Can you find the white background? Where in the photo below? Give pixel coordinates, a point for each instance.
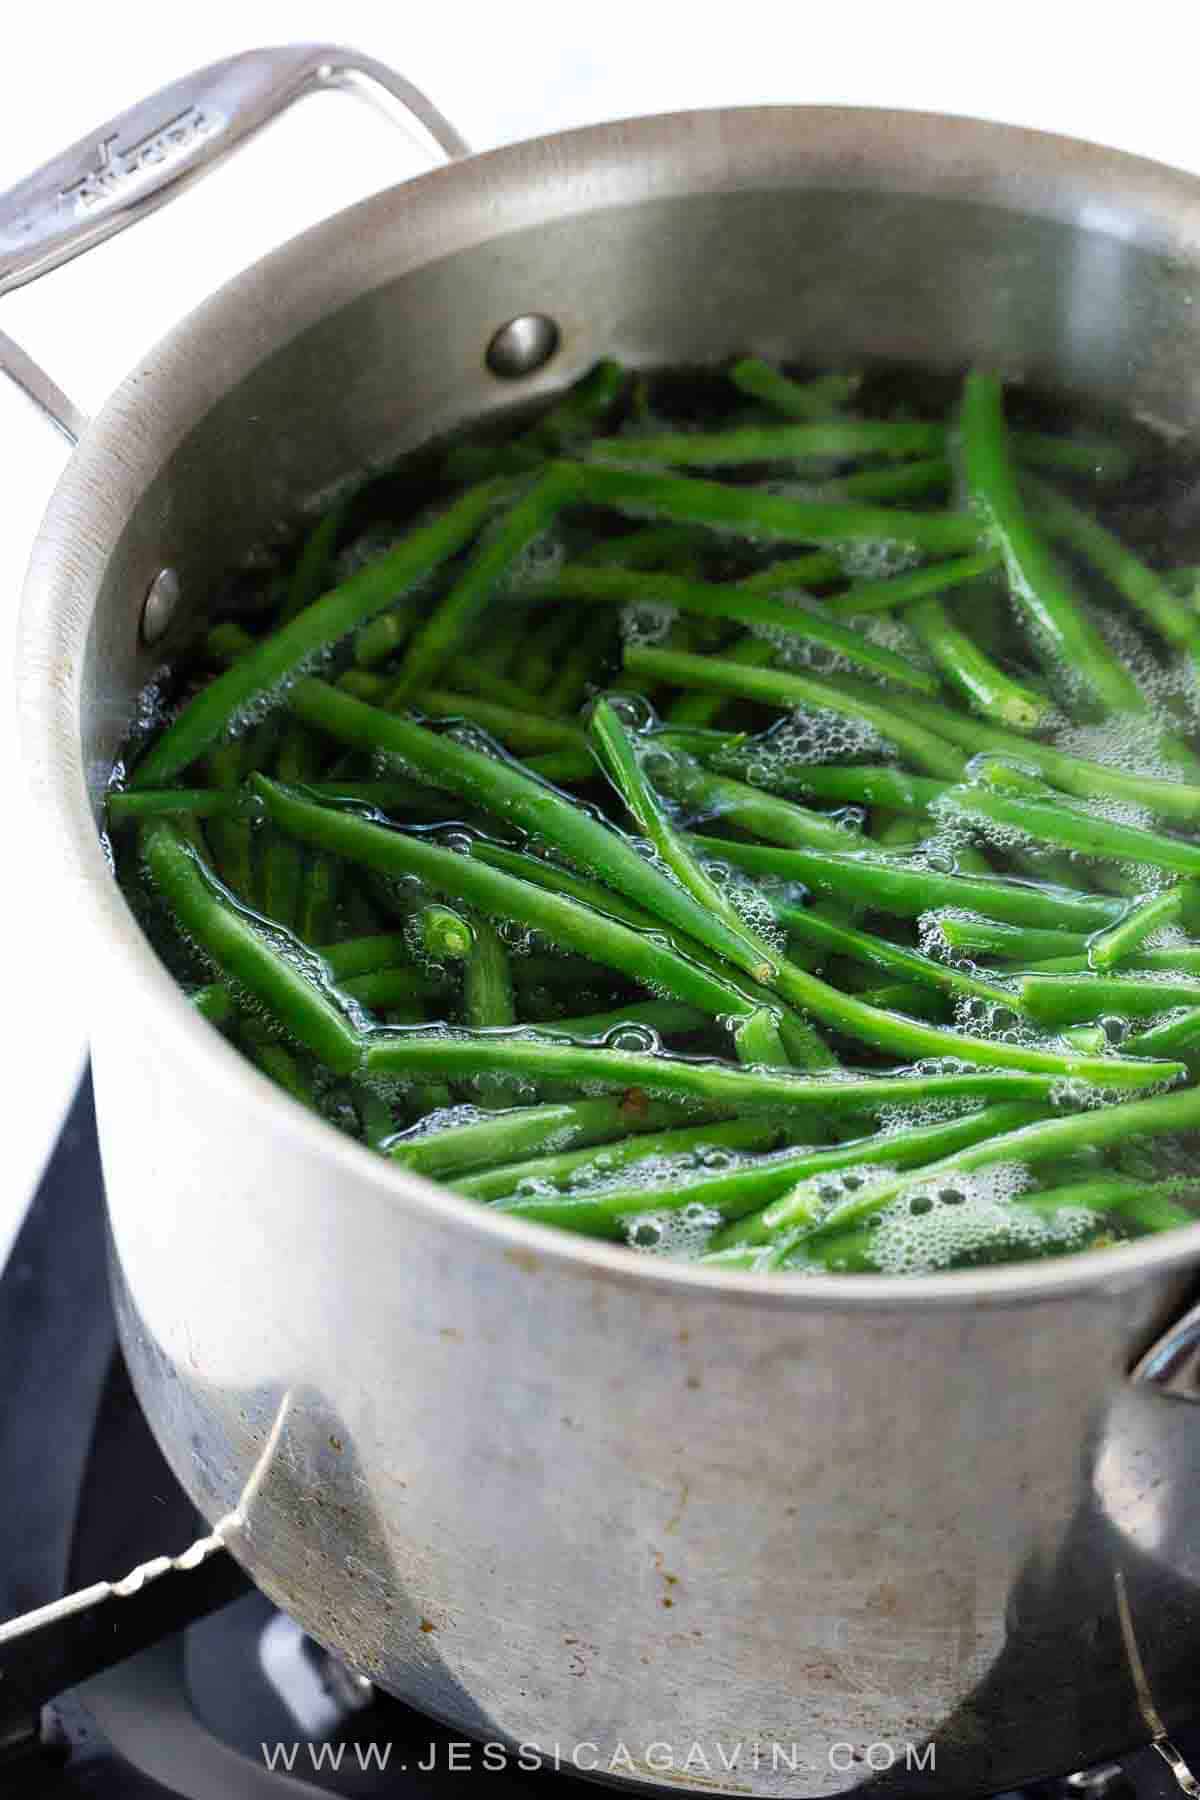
(1123, 76)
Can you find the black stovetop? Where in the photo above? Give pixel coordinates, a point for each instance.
(208, 1681)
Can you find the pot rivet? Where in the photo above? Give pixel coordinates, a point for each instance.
(521, 346)
(162, 598)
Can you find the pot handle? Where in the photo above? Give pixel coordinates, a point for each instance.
(142, 158)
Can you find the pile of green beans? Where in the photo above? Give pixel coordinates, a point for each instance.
(745, 814)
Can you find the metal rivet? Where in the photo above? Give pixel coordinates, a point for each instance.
(522, 346)
(162, 598)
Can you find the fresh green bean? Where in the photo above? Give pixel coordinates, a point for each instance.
(684, 499)
(972, 672)
(1120, 941)
(1015, 943)
(499, 1138)
(728, 600)
(1177, 1039)
(1027, 1145)
(659, 1016)
(757, 1040)
(311, 632)
(513, 796)
(1062, 632)
(562, 1167)
(1176, 800)
(445, 933)
(704, 795)
(1076, 1000)
(791, 689)
(293, 987)
(838, 438)
(895, 885)
(1145, 591)
(311, 573)
(808, 924)
(529, 1056)
(864, 597)
(818, 399)
(618, 757)
(1080, 831)
(644, 956)
(488, 1001)
(520, 731)
(441, 634)
(816, 569)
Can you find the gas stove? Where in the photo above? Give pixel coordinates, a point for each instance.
(210, 1692)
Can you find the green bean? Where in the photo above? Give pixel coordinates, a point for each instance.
(318, 900)
(864, 597)
(816, 569)
(215, 1003)
(441, 635)
(765, 1189)
(646, 957)
(229, 835)
(473, 675)
(663, 1016)
(280, 858)
(520, 801)
(773, 687)
(1177, 800)
(650, 547)
(123, 807)
(313, 631)
(837, 438)
(499, 1138)
(849, 785)
(1081, 831)
(1177, 1039)
(757, 1040)
(559, 1169)
(927, 1003)
(1063, 633)
(879, 953)
(292, 987)
(385, 989)
(804, 1047)
(386, 633)
(592, 649)
(685, 500)
(972, 672)
(901, 481)
(228, 641)
(576, 415)
(817, 399)
(699, 709)
(1075, 1000)
(487, 981)
(529, 1056)
(727, 600)
(520, 731)
(309, 577)
(618, 758)
(1016, 943)
(706, 796)
(1145, 591)
(445, 933)
(893, 885)
(1028, 1145)
(1120, 941)
(278, 1062)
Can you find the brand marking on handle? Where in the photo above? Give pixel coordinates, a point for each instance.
(114, 168)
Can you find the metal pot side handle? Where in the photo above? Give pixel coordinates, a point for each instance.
(1172, 1363)
(142, 158)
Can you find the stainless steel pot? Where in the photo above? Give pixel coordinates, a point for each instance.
(689, 1527)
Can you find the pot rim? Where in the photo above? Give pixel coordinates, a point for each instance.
(1036, 173)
